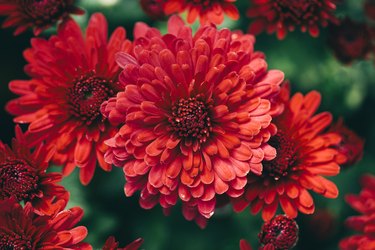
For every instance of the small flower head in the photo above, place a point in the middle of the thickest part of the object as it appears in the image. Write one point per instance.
(283, 16)
(350, 40)
(39, 15)
(23, 175)
(281, 232)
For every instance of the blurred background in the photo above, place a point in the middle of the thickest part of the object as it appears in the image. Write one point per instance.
(309, 63)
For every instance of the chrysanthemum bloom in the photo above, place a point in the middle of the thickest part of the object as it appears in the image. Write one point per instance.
(363, 203)
(153, 8)
(280, 233)
(351, 145)
(71, 76)
(281, 16)
(305, 153)
(208, 11)
(23, 176)
(350, 40)
(39, 15)
(196, 114)
(21, 228)
(112, 244)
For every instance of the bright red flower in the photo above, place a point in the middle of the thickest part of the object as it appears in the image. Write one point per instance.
(196, 114)
(112, 244)
(208, 11)
(281, 16)
(280, 233)
(39, 15)
(71, 76)
(350, 40)
(351, 145)
(305, 153)
(21, 228)
(363, 203)
(23, 176)
(154, 8)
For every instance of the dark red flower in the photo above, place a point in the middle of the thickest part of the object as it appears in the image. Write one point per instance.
(350, 40)
(23, 176)
(39, 15)
(363, 203)
(112, 244)
(351, 145)
(154, 8)
(280, 233)
(21, 228)
(281, 16)
(195, 116)
(305, 153)
(208, 11)
(71, 76)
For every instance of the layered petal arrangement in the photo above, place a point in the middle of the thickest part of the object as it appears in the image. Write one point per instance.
(72, 75)
(208, 11)
(195, 116)
(23, 176)
(283, 16)
(39, 15)
(305, 153)
(363, 203)
(21, 228)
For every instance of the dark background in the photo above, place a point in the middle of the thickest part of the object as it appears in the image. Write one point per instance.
(347, 91)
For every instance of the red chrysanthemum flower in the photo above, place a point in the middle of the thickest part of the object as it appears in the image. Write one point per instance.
(208, 11)
(305, 153)
(363, 203)
(197, 115)
(351, 145)
(71, 76)
(281, 16)
(350, 40)
(23, 176)
(39, 15)
(112, 244)
(153, 8)
(280, 233)
(21, 228)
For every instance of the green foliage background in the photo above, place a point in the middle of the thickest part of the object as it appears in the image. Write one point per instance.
(347, 91)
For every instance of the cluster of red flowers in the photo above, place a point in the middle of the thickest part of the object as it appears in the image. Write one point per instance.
(189, 117)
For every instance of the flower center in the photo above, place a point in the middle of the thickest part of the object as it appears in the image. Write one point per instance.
(281, 232)
(12, 241)
(285, 159)
(190, 118)
(86, 96)
(43, 12)
(17, 179)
